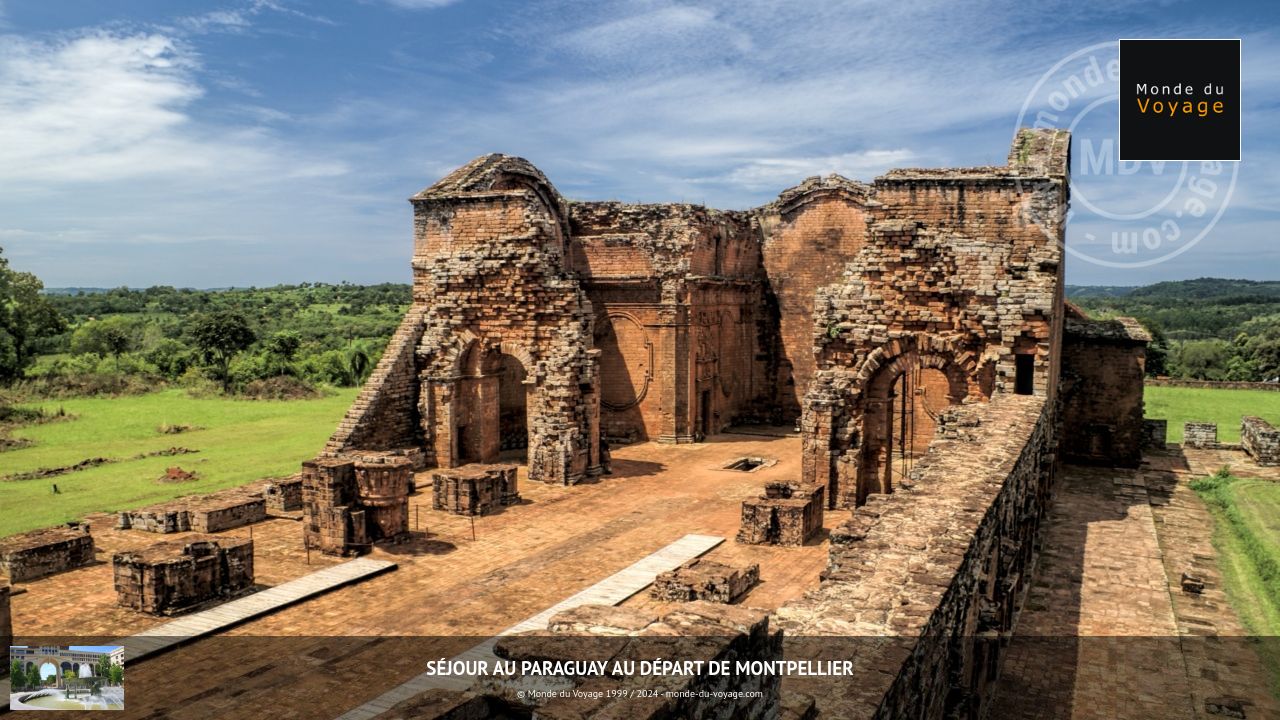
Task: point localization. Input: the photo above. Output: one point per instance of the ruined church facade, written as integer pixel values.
(858, 312)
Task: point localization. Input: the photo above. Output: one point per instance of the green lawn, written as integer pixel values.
(240, 441)
(1225, 407)
(1247, 537)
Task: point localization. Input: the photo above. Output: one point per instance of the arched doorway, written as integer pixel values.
(513, 409)
(492, 409)
(47, 670)
(900, 417)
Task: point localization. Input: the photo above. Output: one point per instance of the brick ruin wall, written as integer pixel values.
(959, 280)
(669, 322)
(6, 626)
(932, 570)
(1200, 435)
(38, 553)
(351, 501)
(677, 292)
(1260, 440)
(173, 576)
(809, 234)
(1103, 367)
(224, 510)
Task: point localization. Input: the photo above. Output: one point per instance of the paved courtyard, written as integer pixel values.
(1107, 631)
(322, 656)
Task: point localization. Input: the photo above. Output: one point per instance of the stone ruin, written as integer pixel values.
(1260, 440)
(1200, 435)
(283, 494)
(474, 489)
(788, 513)
(540, 325)
(212, 513)
(6, 624)
(177, 575)
(32, 555)
(353, 501)
(695, 631)
(1155, 433)
(702, 579)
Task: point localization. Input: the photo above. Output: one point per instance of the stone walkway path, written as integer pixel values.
(1107, 631)
(207, 622)
(610, 591)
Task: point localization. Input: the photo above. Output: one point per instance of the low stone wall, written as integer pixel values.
(38, 553)
(6, 627)
(1218, 384)
(169, 577)
(787, 514)
(211, 513)
(474, 489)
(701, 579)
(923, 584)
(228, 513)
(1260, 440)
(284, 495)
(1200, 435)
(1155, 433)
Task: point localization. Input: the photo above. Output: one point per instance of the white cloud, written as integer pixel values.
(102, 107)
(421, 4)
(778, 173)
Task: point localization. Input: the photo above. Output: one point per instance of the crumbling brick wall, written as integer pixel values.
(173, 576)
(474, 489)
(351, 501)
(1103, 365)
(490, 263)
(1200, 435)
(678, 295)
(1260, 439)
(959, 277)
(931, 570)
(787, 514)
(6, 625)
(808, 234)
(35, 554)
(224, 510)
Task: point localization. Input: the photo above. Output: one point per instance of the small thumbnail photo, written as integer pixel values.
(66, 677)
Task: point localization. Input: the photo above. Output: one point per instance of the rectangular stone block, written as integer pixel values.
(1260, 440)
(38, 553)
(701, 579)
(1155, 433)
(173, 576)
(787, 514)
(1200, 435)
(474, 489)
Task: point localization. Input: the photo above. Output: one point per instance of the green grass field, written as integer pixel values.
(1225, 407)
(1247, 537)
(240, 441)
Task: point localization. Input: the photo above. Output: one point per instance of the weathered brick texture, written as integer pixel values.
(933, 569)
(1200, 434)
(1260, 440)
(787, 514)
(351, 501)
(173, 576)
(474, 489)
(32, 555)
(702, 579)
(1103, 366)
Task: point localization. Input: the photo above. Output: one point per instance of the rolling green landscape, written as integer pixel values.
(235, 441)
(1225, 407)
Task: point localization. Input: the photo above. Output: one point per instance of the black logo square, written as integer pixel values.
(1179, 99)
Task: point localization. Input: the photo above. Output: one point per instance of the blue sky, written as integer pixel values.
(258, 142)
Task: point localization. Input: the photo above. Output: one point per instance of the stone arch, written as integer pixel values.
(518, 352)
(897, 422)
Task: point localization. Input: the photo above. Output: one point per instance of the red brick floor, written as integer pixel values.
(1107, 631)
(449, 590)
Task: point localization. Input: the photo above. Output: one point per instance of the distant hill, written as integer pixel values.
(1200, 309)
(1078, 292)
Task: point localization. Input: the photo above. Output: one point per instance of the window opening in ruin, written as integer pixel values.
(706, 413)
(1024, 374)
(513, 419)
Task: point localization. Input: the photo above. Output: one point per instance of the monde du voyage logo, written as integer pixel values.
(1155, 128)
